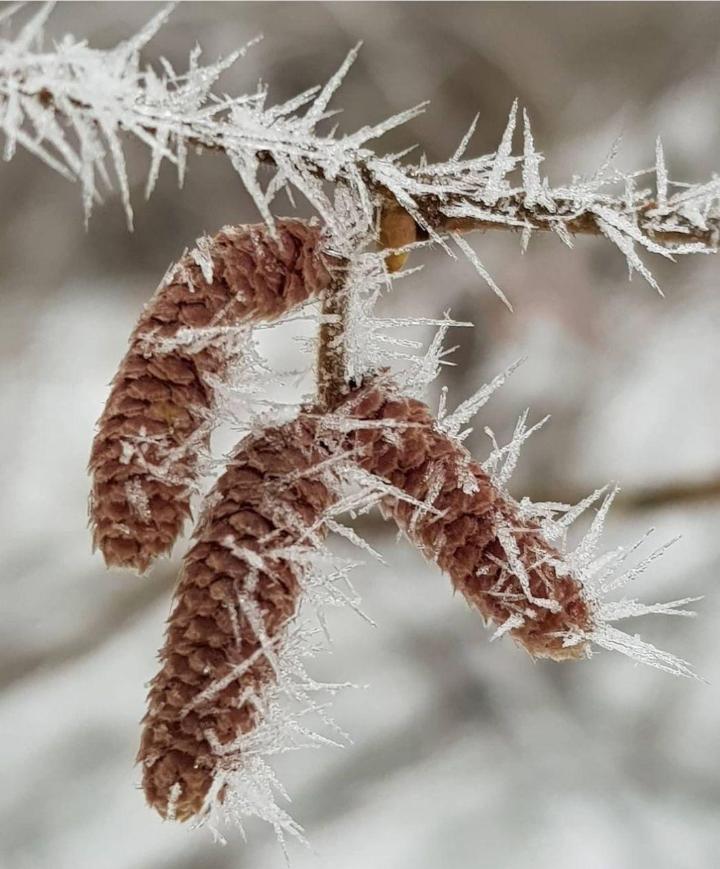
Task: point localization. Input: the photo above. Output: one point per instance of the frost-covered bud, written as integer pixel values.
(160, 410)
(397, 229)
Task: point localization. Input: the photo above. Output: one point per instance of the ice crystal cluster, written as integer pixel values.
(233, 690)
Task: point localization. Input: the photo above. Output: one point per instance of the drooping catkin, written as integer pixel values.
(240, 589)
(159, 412)
(236, 596)
(498, 559)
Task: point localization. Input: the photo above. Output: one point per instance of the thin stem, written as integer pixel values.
(584, 223)
(332, 383)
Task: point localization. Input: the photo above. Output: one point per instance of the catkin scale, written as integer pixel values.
(269, 479)
(159, 411)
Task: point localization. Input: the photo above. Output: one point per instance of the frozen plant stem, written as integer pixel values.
(430, 208)
(396, 229)
(331, 356)
(74, 106)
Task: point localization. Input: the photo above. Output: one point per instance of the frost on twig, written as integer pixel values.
(72, 107)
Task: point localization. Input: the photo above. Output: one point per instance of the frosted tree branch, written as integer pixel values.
(73, 106)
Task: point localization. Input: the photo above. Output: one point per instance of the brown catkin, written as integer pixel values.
(158, 415)
(265, 498)
(466, 540)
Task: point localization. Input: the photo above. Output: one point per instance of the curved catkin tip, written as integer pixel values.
(498, 560)
(236, 596)
(160, 409)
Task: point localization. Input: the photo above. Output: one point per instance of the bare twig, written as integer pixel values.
(331, 362)
(430, 208)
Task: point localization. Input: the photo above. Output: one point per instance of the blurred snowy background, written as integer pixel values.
(466, 754)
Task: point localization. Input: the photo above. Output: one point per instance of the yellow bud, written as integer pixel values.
(397, 228)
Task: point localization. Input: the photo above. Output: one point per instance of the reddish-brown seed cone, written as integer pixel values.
(465, 539)
(255, 506)
(265, 500)
(144, 456)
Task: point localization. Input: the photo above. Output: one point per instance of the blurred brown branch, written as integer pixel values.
(671, 494)
(116, 615)
(650, 497)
